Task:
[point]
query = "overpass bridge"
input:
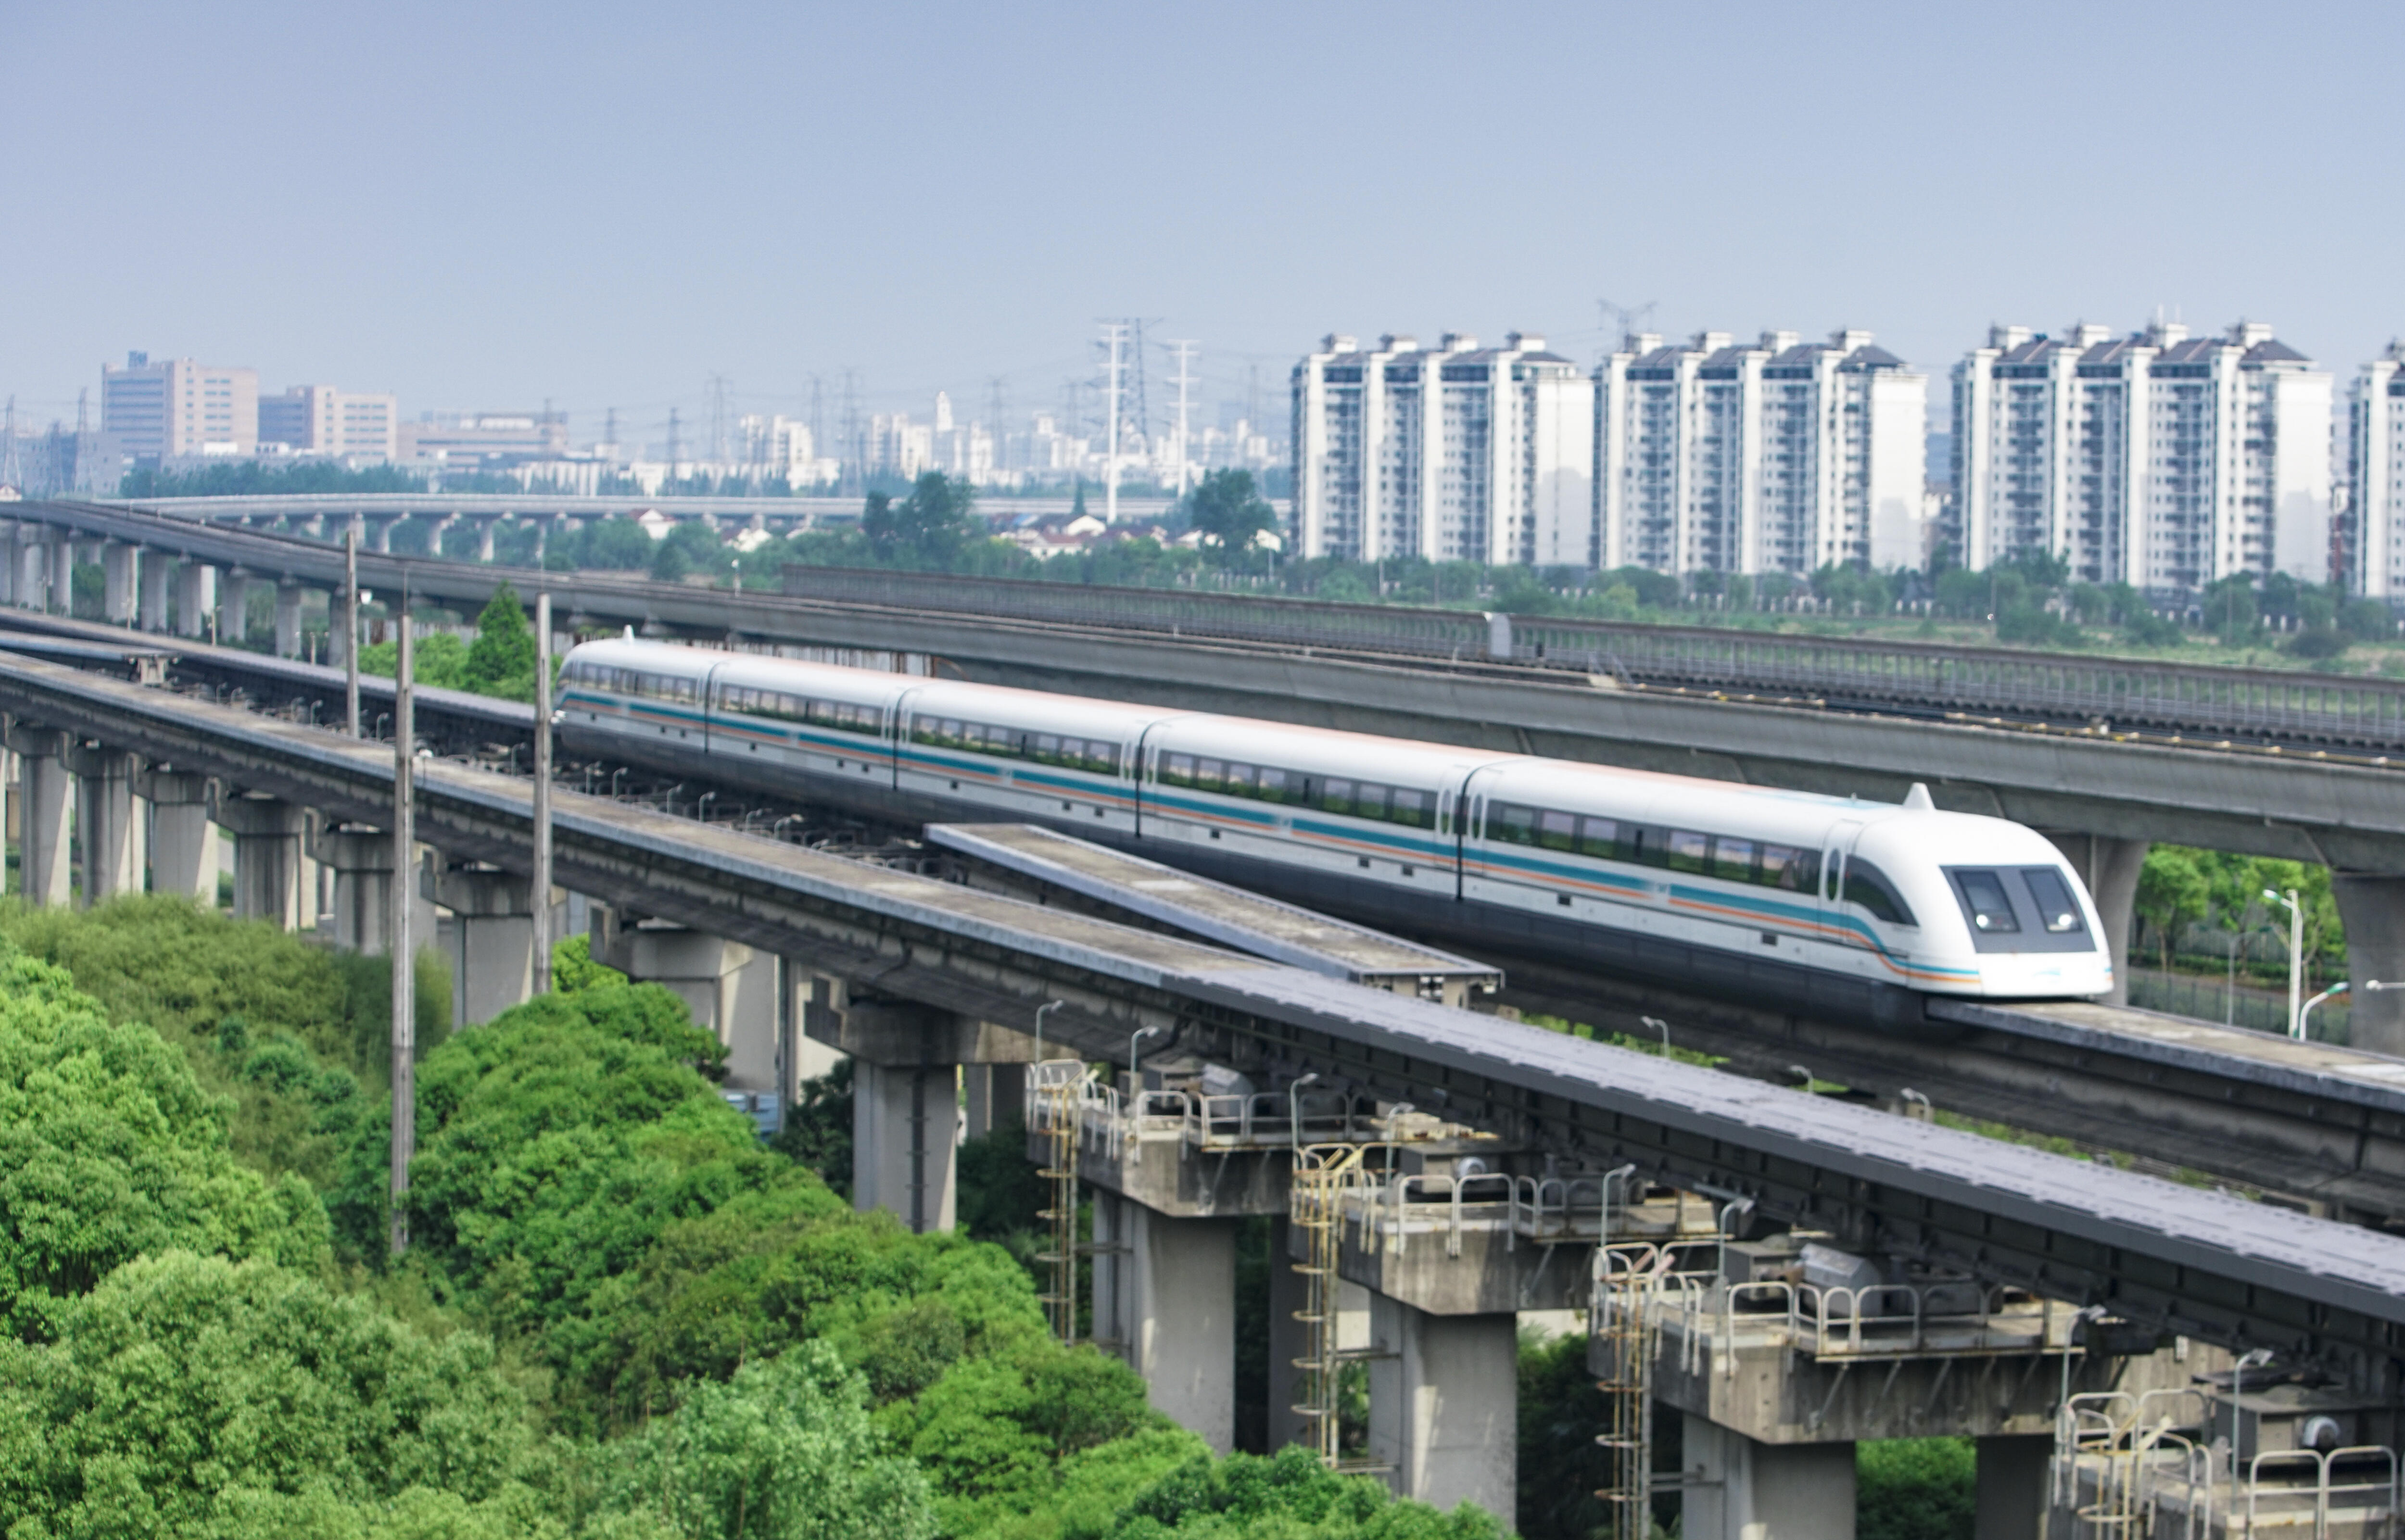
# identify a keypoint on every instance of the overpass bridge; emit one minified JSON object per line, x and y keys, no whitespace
{"x":2104,"y":793}
{"x":917,"y":976}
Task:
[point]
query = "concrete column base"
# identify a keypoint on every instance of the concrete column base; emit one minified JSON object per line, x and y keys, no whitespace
{"x":2012,"y":1498}
{"x":119,"y":567}
{"x":730,"y":989}
{"x":267,"y":858}
{"x":234,"y":609}
{"x":2371,"y":907}
{"x":196,"y":598}
{"x":287,"y":619}
{"x":31,"y":589}
{"x":1444,"y":1406}
{"x":360,"y":860}
{"x":1165,"y":1294}
{"x":112,"y":827}
{"x":63,"y":563}
{"x":493,"y":914}
{"x":1740,"y":1489}
{"x":904,"y":1142}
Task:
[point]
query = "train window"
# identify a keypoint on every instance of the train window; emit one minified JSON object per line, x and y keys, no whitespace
{"x":1985,"y":903}
{"x":1689,"y":851}
{"x":1336,"y":796}
{"x":1416,"y":808}
{"x":1783,"y":866}
{"x":2056,"y":910}
{"x":1047,"y":747}
{"x":1208,"y":775}
{"x":1556,"y":831}
{"x":1240,"y":780}
{"x":1867,"y":886}
{"x":1599,"y":837}
{"x":1370,"y":801}
{"x":1645,"y":846}
{"x":1511,"y":825}
{"x":1271,"y":786}
{"x":1733,"y":859}
{"x":1177,"y":769}
{"x":1103,"y":757}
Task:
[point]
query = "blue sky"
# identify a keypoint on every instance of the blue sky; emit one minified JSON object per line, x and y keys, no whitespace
{"x":491,"y":206}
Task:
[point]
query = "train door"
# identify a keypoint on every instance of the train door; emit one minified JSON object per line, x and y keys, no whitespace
{"x":901,"y":731}
{"x":1470,"y":824}
{"x":1837,"y":848}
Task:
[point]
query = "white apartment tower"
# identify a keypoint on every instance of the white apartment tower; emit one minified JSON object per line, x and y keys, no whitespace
{"x":322,"y":420}
{"x":1455,"y":453}
{"x":2156,"y":459}
{"x":178,"y":407}
{"x":1778,"y":455}
{"x":2375,"y":466}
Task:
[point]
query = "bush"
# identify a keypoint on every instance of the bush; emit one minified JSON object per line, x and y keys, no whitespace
{"x":1916,"y":1489}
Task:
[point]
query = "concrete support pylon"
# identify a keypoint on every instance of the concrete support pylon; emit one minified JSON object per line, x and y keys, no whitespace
{"x":2371,"y":908}
{"x":63,"y":565}
{"x":378,"y":537}
{"x":905,"y":1144}
{"x":730,"y":989}
{"x":493,"y":931}
{"x":1738,"y":1489}
{"x":157,"y":570}
{"x":10,"y":537}
{"x":484,"y":538}
{"x":360,"y":860}
{"x":32,"y":587}
{"x":112,"y":826}
{"x":43,"y":830}
{"x":2110,"y":868}
{"x":1445,"y":1404}
{"x":287,"y":619}
{"x":233,"y":607}
{"x":184,"y":842}
{"x":268,"y":860}
{"x":2011,"y":1497}
{"x":196,"y":598}
{"x":1165,"y":1295}
{"x":120,"y":567}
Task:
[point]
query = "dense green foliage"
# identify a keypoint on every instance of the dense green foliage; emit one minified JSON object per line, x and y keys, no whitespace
{"x":498,"y":662}
{"x":1286,"y":1496}
{"x":2181,"y":885}
{"x":257,"y":478}
{"x":1916,"y":1489}
{"x":1561,"y":1466}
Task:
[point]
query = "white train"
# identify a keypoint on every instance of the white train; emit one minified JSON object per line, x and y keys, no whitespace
{"x":1702,"y":882}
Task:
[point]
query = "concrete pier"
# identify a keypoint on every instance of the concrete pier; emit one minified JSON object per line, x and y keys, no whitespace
{"x":267,"y":859}
{"x":1444,"y":1409}
{"x":493,"y":930}
{"x":287,"y":619}
{"x":119,"y":567}
{"x":184,"y":841}
{"x":730,"y":988}
{"x":196,"y":598}
{"x":158,"y":571}
{"x":63,"y":563}
{"x":2110,"y":868}
{"x":1165,"y":1296}
{"x":2371,"y":906}
{"x":112,"y":826}
{"x":233,"y":607}
{"x":1739,"y":1488}
{"x":43,"y":850}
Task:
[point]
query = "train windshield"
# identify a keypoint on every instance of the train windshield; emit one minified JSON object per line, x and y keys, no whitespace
{"x":2056,"y":910}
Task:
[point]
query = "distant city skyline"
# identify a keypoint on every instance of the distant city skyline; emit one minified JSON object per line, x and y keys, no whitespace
{"x":604,"y":207}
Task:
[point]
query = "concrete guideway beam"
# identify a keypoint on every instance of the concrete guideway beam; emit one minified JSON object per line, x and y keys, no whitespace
{"x":2170,"y":1258}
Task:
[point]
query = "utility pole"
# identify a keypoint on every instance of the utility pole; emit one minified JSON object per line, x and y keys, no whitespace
{"x":1114,"y":337}
{"x":854,"y":468}
{"x":818,"y":419}
{"x":1184,"y":352}
{"x":405,"y":950}
{"x":351,"y":617}
{"x":12,"y":474}
{"x":610,"y":432}
{"x":672,"y":443}
{"x":718,"y":419}
{"x":541,"y":877}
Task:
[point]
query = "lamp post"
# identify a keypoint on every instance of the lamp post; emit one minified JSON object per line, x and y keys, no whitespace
{"x":1662,"y":1026}
{"x":2305,"y":1016}
{"x":1134,"y":1038}
{"x":2295,"y":953}
{"x":2254,"y":1360}
{"x":1294,"y":1108}
{"x":1047,"y":1005}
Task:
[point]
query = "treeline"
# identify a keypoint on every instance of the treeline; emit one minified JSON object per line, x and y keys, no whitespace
{"x":620,"y":1315}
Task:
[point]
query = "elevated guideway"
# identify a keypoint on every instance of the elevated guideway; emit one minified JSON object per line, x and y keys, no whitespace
{"x":2309,"y":1122}
{"x":2161,"y":1256}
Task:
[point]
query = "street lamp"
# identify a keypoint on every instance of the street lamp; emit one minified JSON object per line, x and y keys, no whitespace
{"x":2295,"y":954}
{"x":2305,"y":1016}
{"x":2254,"y":1360}
{"x":1135,"y":1037}
{"x":1294,"y":1108}
{"x":1047,"y":1005}
{"x":1662,"y":1026}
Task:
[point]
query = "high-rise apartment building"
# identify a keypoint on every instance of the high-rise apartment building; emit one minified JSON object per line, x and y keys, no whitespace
{"x":2157,"y":460}
{"x":1454,"y":453}
{"x":322,"y":420}
{"x":2375,"y":476}
{"x":1778,"y":455}
{"x":178,"y":407}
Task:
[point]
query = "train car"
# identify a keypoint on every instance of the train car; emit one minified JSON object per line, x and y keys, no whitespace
{"x":1743,"y":890}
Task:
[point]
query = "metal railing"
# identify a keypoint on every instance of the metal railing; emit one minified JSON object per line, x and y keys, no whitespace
{"x":2340,"y":711}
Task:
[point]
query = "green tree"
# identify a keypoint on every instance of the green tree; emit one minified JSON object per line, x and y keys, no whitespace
{"x":690,"y":547}
{"x":188,"y":1395}
{"x":1915,"y":1489}
{"x":1230,"y":514}
{"x":501,"y":660}
{"x":1288,"y":1495}
{"x":931,"y":527}
{"x":2172,"y":893}
{"x":110,"y":1149}
{"x":1560,"y":1465}
{"x":783,"y":1450}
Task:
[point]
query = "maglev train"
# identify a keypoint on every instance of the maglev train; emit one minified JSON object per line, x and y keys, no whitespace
{"x":1740,"y":890}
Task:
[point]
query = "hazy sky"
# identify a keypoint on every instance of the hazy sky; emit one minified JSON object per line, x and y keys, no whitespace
{"x":488,"y":205}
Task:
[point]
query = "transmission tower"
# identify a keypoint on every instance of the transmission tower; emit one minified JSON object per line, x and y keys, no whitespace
{"x":1114,"y":340}
{"x":855,"y":451}
{"x":12,"y":470}
{"x":818,"y":418}
{"x":1628,"y":320}
{"x":1182,"y":349}
{"x":672,"y":443}
{"x":718,"y":418}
